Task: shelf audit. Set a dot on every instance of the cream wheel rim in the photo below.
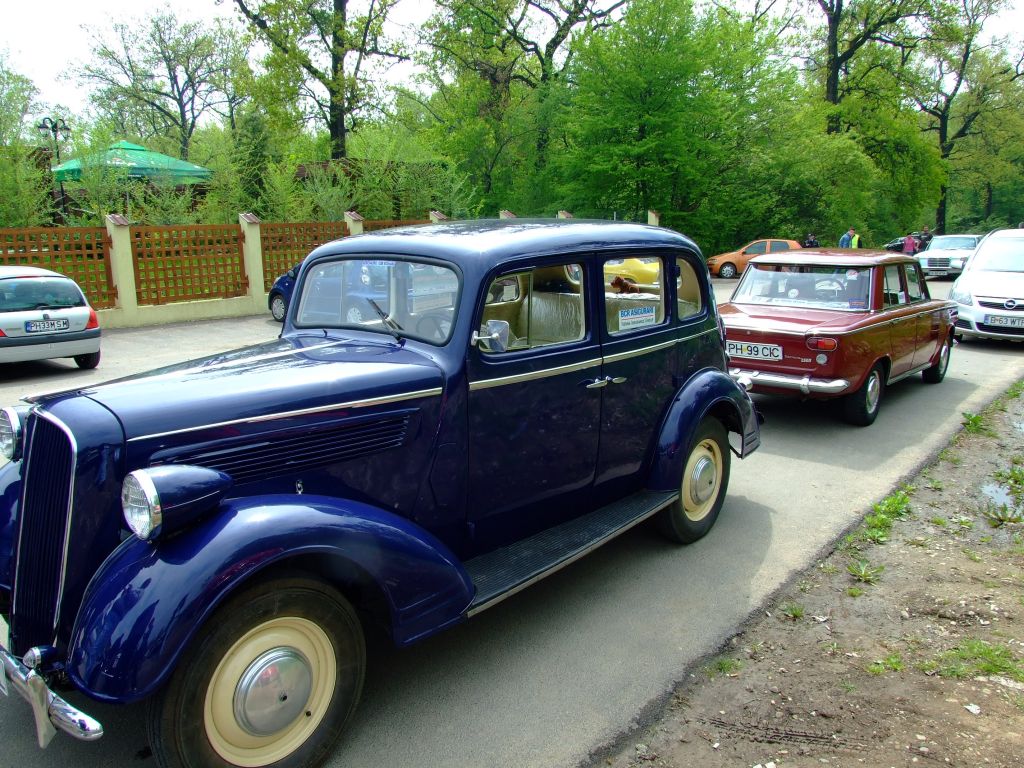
(702, 479)
(297, 642)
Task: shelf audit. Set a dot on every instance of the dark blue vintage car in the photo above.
(215, 537)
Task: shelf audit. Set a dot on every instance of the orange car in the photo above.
(731, 264)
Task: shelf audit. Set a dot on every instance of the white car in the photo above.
(45, 315)
(990, 292)
(947, 254)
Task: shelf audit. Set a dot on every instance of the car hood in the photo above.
(288, 375)
(984, 282)
(791, 320)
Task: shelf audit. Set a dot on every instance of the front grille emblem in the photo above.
(1010, 303)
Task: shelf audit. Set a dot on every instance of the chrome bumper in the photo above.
(804, 384)
(50, 710)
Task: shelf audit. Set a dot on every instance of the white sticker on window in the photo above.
(636, 317)
(508, 291)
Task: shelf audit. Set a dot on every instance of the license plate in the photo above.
(753, 351)
(1005, 322)
(46, 326)
(936, 272)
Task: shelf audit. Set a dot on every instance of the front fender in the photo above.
(146, 602)
(709, 392)
(10, 495)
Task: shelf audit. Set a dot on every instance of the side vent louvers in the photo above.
(276, 456)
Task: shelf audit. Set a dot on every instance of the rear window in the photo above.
(20, 294)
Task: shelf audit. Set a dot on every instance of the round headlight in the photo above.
(10, 433)
(141, 504)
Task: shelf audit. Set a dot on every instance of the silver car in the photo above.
(45, 315)
(990, 292)
(947, 254)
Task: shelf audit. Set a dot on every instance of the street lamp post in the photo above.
(56, 127)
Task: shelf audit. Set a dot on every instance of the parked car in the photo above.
(643, 273)
(946, 254)
(368, 283)
(280, 295)
(44, 315)
(835, 324)
(733, 263)
(989, 293)
(216, 536)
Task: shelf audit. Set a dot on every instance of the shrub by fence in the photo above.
(81, 253)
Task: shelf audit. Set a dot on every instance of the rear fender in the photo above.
(708, 393)
(147, 601)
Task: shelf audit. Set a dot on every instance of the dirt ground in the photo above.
(905, 646)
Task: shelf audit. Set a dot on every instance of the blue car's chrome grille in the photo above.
(45, 505)
(319, 448)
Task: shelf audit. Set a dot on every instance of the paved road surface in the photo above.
(566, 666)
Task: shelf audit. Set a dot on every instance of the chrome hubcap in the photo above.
(273, 691)
(874, 390)
(702, 480)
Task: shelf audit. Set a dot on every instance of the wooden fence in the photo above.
(185, 263)
(285, 244)
(81, 253)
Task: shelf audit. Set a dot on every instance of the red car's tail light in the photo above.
(2, 334)
(822, 343)
(94, 320)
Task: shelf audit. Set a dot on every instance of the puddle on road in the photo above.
(999, 494)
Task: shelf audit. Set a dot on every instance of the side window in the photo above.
(758, 247)
(779, 245)
(634, 296)
(894, 294)
(541, 307)
(915, 289)
(688, 300)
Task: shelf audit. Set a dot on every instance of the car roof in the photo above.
(833, 257)
(484, 243)
(17, 270)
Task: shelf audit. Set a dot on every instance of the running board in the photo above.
(503, 572)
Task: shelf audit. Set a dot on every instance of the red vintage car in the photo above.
(836, 323)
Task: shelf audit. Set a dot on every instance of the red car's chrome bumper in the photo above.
(807, 385)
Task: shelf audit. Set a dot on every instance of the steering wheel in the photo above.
(434, 327)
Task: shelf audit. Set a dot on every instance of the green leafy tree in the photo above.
(162, 76)
(25, 196)
(327, 51)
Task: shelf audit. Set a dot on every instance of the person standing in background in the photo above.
(811, 241)
(847, 239)
(854, 240)
(926, 237)
(909, 245)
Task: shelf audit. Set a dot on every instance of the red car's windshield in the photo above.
(818, 287)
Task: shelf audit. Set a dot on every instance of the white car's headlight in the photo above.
(141, 504)
(960, 296)
(10, 433)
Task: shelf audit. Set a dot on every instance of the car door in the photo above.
(930, 329)
(755, 248)
(902, 320)
(638, 343)
(534, 405)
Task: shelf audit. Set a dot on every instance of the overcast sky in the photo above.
(44, 39)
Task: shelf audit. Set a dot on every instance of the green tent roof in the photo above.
(138, 162)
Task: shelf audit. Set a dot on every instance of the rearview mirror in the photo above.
(493, 336)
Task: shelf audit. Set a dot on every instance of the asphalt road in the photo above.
(571, 664)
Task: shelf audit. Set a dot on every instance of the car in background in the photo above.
(989, 293)
(946, 254)
(44, 315)
(280, 295)
(733, 263)
(640, 272)
(836, 324)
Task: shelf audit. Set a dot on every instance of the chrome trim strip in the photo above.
(435, 392)
(804, 384)
(70, 511)
(638, 352)
(569, 561)
(534, 375)
(909, 373)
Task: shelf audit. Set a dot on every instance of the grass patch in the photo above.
(939, 521)
(857, 592)
(792, 611)
(725, 666)
(974, 658)
(891, 663)
(864, 572)
(976, 424)
(971, 555)
(950, 457)
(999, 515)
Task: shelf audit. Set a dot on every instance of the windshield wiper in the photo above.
(392, 327)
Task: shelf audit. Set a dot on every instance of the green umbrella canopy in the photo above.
(138, 162)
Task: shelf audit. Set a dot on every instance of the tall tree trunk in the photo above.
(832, 64)
(338, 109)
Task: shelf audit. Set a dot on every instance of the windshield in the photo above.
(20, 294)
(406, 299)
(844, 288)
(952, 242)
(1002, 255)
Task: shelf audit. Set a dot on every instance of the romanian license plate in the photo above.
(46, 326)
(936, 272)
(1005, 322)
(753, 351)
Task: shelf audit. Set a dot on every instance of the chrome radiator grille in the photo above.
(45, 507)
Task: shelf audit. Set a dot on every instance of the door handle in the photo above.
(597, 383)
(617, 379)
